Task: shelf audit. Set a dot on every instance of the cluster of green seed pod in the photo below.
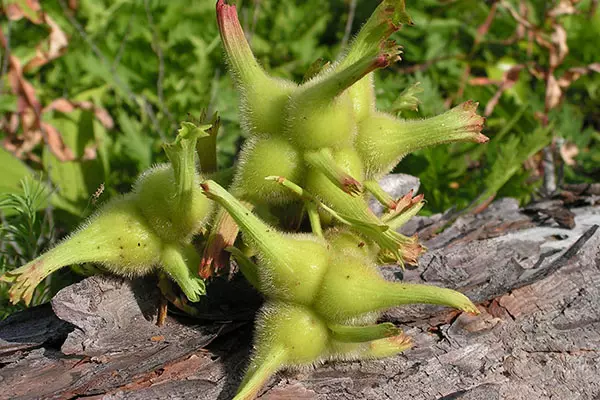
(314, 150)
(327, 136)
(324, 144)
(324, 294)
(150, 228)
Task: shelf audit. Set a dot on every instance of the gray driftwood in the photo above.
(538, 337)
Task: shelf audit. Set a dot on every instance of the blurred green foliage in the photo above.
(153, 63)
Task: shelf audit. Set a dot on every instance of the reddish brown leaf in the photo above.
(572, 74)
(66, 106)
(15, 12)
(90, 152)
(55, 143)
(104, 117)
(508, 80)
(13, 123)
(559, 50)
(483, 81)
(51, 48)
(568, 152)
(565, 7)
(29, 109)
(521, 19)
(553, 92)
(62, 105)
(20, 87)
(485, 27)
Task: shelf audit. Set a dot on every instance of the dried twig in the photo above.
(549, 171)
(349, 23)
(117, 59)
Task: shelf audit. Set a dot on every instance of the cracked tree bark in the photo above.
(538, 337)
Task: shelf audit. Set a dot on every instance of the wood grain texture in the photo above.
(537, 285)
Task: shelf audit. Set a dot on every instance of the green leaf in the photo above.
(75, 180)
(13, 171)
(8, 103)
(137, 146)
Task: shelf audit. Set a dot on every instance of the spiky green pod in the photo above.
(117, 236)
(286, 336)
(319, 120)
(265, 156)
(337, 144)
(302, 333)
(383, 140)
(169, 196)
(156, 197)
(353, 290)
(347, 242)
(290, 265)
(313, 122)
(339, 324)
(320, 113)
(295, 336)
(150, 228)
(387, 18)
(262, 96)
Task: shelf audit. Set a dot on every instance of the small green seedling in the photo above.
(148, 229)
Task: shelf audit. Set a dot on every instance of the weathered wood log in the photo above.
(538, 337)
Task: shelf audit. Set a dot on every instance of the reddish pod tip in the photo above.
(226, 13)
(222, 4)
(405, 202)
(230, 28)
(418, 199)
(474, 122)
(412, 251)
(481, 138)
(205, 270)
(390, 53)
(351, 186)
